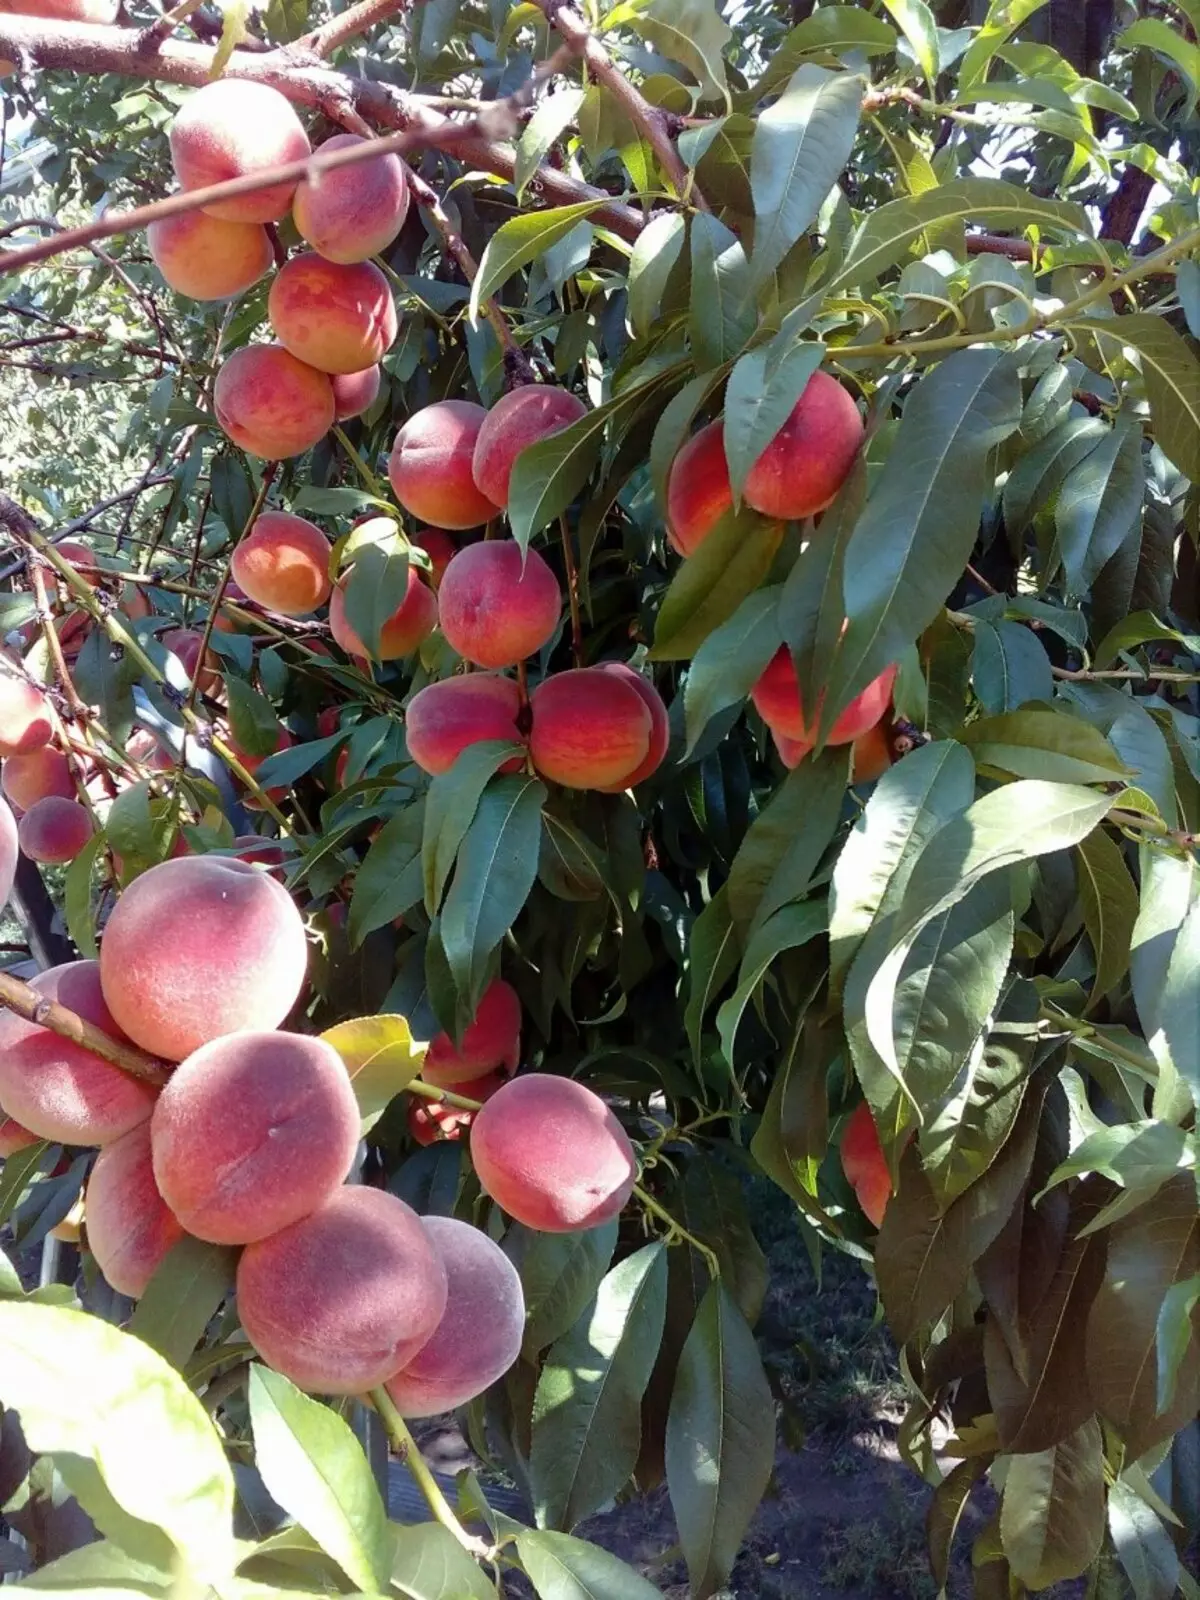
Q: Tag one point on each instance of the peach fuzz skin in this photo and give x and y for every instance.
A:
(336, 318)
(25, 723)
(444, 718)
(130, 1227)
(355, 392)
(271, 404)
(864, 1163)
(521, 418)
(430, 467)
(206, 258)
(660, 726)
(229, 129)
(698, 489)
(352, 213)
(496, 606)
(777, 698)
(808, 460)
(54, 830)
(590, 729)
(492, 1042)
(283, 564)
(26, 779)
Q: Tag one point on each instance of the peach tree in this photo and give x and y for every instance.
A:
(644, 545)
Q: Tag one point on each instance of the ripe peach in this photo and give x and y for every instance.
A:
(440, 548)
(342, 1299)
(491, 1042)
(253, 1132)
(872, 754)
(206, 258)
(337, 318)
(58, 1089)
(355, 392)
(271, 404)
(283, 564)
(413, 621)
(24, 716)
(864, 1163)
(185, 644)
(430, 466)
(660, 726)
(497, 607)
(130, 1227)
(27, 779)
(809, 459)
(479, 1336)
(434, 1121)
(352, 213)
(777, 696)
(14, 1137)
(791, 751)
(521, 418)
(444, 718)
(698, 489)
(9, 851)
(550, 1153)
(229, 129)
(135, 602)
(590, 730)
(82, 558)
(199, 947)
(54, 830)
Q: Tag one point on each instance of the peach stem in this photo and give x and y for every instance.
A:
(405, 1447)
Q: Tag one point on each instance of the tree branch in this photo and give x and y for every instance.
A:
(36, 1008)
(355, 20)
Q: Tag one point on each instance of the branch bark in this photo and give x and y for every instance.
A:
(34, 1007)
(348, 24)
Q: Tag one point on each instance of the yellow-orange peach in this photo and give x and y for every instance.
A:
(550, 1153)
(27, 779)
(352, 213)
(660, 726)
(865, 1165)
(444, 718)
(590, 729)
(354, 392)
(413, 620)
(430, 466)
(58, 1089)
(491, 1042)
(206, 258)
(54, 830)
(283, 564)
(872, 754)
(229, 129)
(479, 1336)
(342, 1299)
(185, 644)
(199, 947)
(436, 1122)
(497, 606)
(336, 318)
(698, 489)
(9, 851)
(130, 1227)
(252, 1132)
(519, 419)
(14, 1137)
(271, 404)
(809, 459)
(777, 697)
(24, 716)
(440, 548)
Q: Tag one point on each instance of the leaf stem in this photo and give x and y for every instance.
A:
(426, 1091)
(678, 1231)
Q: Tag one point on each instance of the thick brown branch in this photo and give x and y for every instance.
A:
(35, 1007)
(994, 244)
(349, 23)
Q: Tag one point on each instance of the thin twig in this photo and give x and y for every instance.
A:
(406, 1448)
(348, 24)
(572, 592)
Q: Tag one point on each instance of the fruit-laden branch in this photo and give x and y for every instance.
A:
(36, 1008)
(97, 48)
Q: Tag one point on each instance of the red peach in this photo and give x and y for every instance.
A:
(283, 564)
(590, 730)
(14, 1137)
(355, 392)
(479, 1336)
(660, 726)
(808, 460)
(444, 718)
(497, 607)
(206, 258)
(271, 404)
(440, 548)
(342, 1299)
(436, 1122)
(82, 558)
(27, 779)
(135, 602)
(25, 723)
(777, 697)
(352, 213)
(413, 621)
(791, 751)
(430, 466)
(9, 851)
(229, 129)
(491, 1042)
(550, 1153)
(199, 947)
(864, 1163)
(54, 830)
(185, 645)
(130, 1227)
(336, 318)
(698, 489)
(64, 10)
(521, 418)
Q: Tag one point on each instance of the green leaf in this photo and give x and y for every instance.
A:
(1170, 373)
(520, 241)
(785, 929)
(1187, 283)
(312, 1464)
(921, 521)
(496, 869)
(1166, 41)
(1110, 908)
(1051, 745)
(720, 1444)
(1035, 481)
(548, 122)
(389, 880)
(1135, 1155)
(709, 586)
(812, 610)
(833, 30)
(1177, 1008)
(233, 32)
(252, 718)
(1009, 666)
(655, 252)
(141, 1430)
(281, 770)
(286, 19)
(977, 1115)
(375, 590)
(1142, 1544)
(1168, 886)
(187, 1288)
(801, 144)
(563, 1568)
(430, 1564)
(917, 23)
(560, 1273)
(450, 807)
(587, 1412)
(692, 32)
(759, 398)
(730, 661)
(723, 316)
(1003, 19)
(79, 907)
(382, 1059)
(1100, 505)
(712, 961)
(782, 849)
(1175, 1336)
(1052, 1514)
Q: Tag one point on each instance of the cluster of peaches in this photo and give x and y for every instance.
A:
(251, 1140)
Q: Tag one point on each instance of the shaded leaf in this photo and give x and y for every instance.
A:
(563, 1568)
(708, 588)
(522, 240)
(1110, 908)
(723, 315)
(730, 661)
(560, 1272)
(1052, 1514)
(182, 1296)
